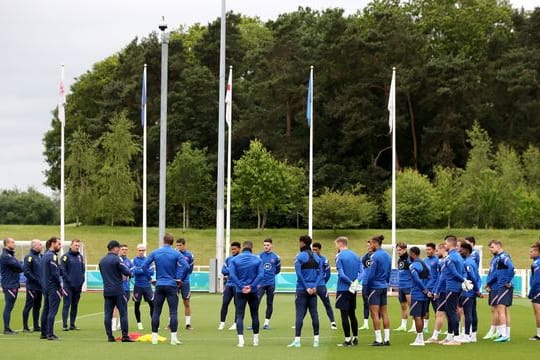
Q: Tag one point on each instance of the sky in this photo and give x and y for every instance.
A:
(37, 36)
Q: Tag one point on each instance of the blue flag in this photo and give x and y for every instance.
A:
(309, 105)
(143, 97)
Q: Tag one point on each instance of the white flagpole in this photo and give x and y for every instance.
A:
(392, 120)
(228, 118)
(310, 195)
(62, 118)
(144, 216)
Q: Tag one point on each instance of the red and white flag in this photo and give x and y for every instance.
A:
(62, 98)
(228, 100)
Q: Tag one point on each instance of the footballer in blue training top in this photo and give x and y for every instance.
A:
(272, 267)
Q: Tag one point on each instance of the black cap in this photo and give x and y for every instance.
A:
(113, 244)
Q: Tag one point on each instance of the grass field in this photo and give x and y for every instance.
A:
(206, 342)
(202, 242)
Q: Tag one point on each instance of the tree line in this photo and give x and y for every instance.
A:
(454, 68)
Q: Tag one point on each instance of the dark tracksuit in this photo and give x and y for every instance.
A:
(272, 267)
(322, 290)
(348, 264)
(228, 292)
(51, 286)
(73, 273)
(309, 272)
(112, 269)
(10, 269)
(246, 269)
(34, 295)
(453, 274)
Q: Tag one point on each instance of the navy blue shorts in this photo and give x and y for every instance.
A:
(440, 303)
(401, 294)
(535, 298)
(433, 303)
(140, 293)
(491, 295)
(345, 300)
(418, 308)
(504, 297)
(185, 291)
(377, 297)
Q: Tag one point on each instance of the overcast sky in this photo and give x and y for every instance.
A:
(37, 36)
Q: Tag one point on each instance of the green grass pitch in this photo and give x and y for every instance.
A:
(206, 342)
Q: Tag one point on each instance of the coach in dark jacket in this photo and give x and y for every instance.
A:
(73, 271)
(51, 285)
(113, 271)
(10, 269)
(34, 295)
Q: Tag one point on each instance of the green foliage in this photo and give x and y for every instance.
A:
(27, 207)
(448, 188)
(116, 185)
(343, 209)
(189, 181)
(415, 200)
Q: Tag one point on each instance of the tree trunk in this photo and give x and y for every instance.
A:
(183, 216)
(288, 117)
(187, 215)
(263, 221)
(258, 219)
(413, 131)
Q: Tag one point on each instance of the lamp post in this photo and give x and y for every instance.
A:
(163, 130)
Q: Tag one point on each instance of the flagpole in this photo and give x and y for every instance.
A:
(392, 107)
(221, 149)
(228, 117)
(310, 195)
(144, 215)
(62, 117)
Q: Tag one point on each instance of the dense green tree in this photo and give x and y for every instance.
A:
(189, 181)
(116, 186)
(27, 207)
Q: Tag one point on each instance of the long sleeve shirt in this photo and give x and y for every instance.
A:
(50, 272)
(309, 269)
(432, 263)
(454, 271)
(142, 276)
(246, 269)
(190, 260)
(113, 270)
(170, 265)
(418, 285)
(404, 275)
(504, 270)
(32, 270)
(10, 268)
(272, 267)
(73, 269)
(534, 281)
(225, 270)
(379, 271)
(471, 273)
(348, 265)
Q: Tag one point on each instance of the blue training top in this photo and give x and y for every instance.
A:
(309, 269)
(169, 265)
(327, 270)
(272, 267)
(190, 260)
(112, 271)
(73, 269)
(418, 271)
(432, 263)
(32, 270)
(534, 281)
(504, 270)
(454, 271)
(50, 272)
(348, 266)
(142, 277)
(404, 275)
(10, 269)
(379, 272)
(225, 270)
(246, 269)
(471, 273)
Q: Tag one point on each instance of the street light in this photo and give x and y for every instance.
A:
(163, 129)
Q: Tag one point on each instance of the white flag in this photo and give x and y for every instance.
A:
(392, 102)
(62, 99)
(228, 100)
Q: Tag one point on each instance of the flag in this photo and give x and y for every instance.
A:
(309, 105)
(392, 102)
(62, 98)
(143, 96)
(228, 100)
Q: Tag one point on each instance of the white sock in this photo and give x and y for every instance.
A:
(436, 334)
(378, 337)
(348, 339)
(266, 321)
(174, 337)
(241, 339)
(426, 323)
(114, 323)
(188, 320)
(508, 331)
(420, 337)
(492, 329)
(403, 323)
(502, 330)
(450, 337)
(386, 334)
(366, 322)
(297, 339)
(221, 323)
(255, 338)
(315, 338)
(154, 338)
(538, 331)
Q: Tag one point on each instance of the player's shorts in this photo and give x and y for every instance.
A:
(418, 308)
(491, 295)
(185, 291)
(433, 303)
(377, 297)
(504, 296)
(440, 303)
(402, 292)
(345, 300)
(140, 293)
(535, 298)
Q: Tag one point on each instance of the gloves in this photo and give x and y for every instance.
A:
(355, 286)
(467, 285)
